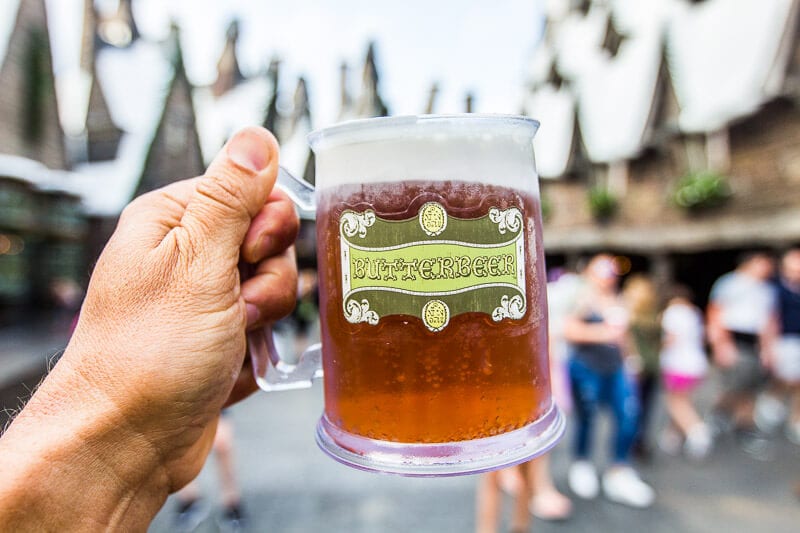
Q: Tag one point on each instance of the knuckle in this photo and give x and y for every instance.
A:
(221, 192)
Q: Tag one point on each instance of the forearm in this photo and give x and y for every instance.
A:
(70, 462)
(716, 332)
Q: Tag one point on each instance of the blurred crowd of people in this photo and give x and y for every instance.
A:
(618, 345)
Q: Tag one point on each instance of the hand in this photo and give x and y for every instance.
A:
(160, 345)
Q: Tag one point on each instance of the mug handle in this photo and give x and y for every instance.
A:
(273, 373)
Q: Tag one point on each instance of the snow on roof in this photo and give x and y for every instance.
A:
(36, 174)
(246, 105)
(135, 82)
(632, 17)
(219, 118)
(555, 110)
(72, 90)
(540, 65)
(578, 41)
(615, 99)
(720, 55)
(295, 150)
(725, 57)
(556, 9)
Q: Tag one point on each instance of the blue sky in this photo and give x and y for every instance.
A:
(472, 45)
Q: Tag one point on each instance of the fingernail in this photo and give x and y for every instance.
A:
(252, 314)
(248, 150)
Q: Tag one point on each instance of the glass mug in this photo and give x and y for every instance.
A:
(432, 296)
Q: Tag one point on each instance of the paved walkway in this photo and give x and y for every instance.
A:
(291, 487)
(25, 353)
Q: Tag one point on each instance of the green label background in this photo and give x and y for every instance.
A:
(391, 240)
(427, 251)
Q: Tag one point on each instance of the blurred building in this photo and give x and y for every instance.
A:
(670, 131)
(77, 147)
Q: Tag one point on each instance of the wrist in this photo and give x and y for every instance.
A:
(70, 458)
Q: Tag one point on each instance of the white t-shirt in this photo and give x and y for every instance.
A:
(683, 352)
(746, 303)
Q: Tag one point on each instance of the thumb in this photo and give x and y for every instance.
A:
(232, 191)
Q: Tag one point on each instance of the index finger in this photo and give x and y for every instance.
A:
(272, 230)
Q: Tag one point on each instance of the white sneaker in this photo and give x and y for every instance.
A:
(582, 480)
(769, 413)
(621, 484)
(698, 442)
(669, 441)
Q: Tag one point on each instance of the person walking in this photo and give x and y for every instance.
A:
(786, 365)
(488, 502)
(597, 330)
(642, 298)
(741, 330)
(683, 366)
(190, 513)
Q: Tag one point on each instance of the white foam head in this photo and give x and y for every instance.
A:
(492, 149)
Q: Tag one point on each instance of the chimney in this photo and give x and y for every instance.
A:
(344, 94)
(429, 107)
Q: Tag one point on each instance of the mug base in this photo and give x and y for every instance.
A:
(442, 458)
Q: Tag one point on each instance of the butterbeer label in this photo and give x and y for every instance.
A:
(432, 266)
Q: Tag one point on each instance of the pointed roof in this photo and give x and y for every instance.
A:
(271, 115)
(723, 72)
(554, 108)
(345, 100)
(174, 152)
(613, 112)
(135, 82)
(370, 103)
(253, 101)
(295, 151)
(29, 119)
(102, 133)
(228, 72)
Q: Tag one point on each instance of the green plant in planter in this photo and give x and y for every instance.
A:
(602, 203)
(701, 190)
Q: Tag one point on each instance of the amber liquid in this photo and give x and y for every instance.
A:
(398, 381)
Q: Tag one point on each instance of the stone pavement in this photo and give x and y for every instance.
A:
(289, 486)
(26, 349)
